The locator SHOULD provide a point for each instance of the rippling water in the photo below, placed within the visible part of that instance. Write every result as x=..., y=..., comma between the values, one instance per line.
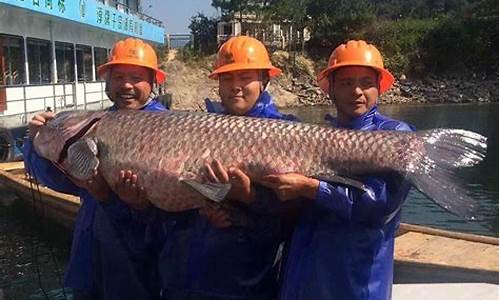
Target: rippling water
x=33, y=253
x=481, y=180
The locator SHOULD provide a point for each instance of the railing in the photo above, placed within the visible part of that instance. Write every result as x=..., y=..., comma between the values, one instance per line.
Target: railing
x=176, y=41
x=56, y=101
x=221, y=38
x=150, y=19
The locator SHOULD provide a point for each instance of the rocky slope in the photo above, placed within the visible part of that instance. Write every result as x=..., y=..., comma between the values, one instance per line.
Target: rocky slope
x=189, y=85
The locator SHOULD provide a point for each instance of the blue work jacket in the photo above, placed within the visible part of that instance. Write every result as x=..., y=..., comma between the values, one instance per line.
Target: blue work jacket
x=113, y=258
x=343, y=244
x=199, y=261
x=264, y=107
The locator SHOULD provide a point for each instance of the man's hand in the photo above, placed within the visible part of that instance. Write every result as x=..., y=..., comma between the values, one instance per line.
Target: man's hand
x=241, y=185
x=37, y=121
x=130, y=192
x=291, y=186
x=96, y=186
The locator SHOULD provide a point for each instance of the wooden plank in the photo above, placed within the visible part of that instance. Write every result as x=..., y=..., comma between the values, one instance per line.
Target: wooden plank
x=424, y=248
x=404, y=228
x=9, y=166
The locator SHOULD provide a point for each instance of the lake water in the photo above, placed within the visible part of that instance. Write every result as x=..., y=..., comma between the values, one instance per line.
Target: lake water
x=34, y=251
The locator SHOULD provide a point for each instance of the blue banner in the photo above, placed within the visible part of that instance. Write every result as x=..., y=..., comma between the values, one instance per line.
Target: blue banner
x=96, y=14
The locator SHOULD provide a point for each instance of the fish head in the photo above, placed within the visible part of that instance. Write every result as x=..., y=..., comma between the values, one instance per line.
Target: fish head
x=54, y=138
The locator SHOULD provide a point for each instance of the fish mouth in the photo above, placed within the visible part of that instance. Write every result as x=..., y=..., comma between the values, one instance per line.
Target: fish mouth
x=85, y=128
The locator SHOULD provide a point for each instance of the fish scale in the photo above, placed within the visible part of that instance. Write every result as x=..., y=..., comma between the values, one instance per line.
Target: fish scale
x=190, y=136
x=166, y=149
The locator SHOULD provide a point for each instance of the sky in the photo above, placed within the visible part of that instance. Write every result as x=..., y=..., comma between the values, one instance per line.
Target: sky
x=176, y=14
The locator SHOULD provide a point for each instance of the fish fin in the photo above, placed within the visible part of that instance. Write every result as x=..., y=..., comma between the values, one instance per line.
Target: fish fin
x=82, y=159
x=435, y=175
x=345, y=181
x=213, y=191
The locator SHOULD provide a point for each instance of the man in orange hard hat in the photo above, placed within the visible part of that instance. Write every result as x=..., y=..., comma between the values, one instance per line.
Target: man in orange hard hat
x=342, y=246
x=131, y=73
x=111, y=255
x=206, y=254
x=244, y=71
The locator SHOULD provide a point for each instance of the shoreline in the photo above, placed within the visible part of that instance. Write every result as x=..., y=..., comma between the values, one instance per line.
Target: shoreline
x=428, y=91
x=189, y=85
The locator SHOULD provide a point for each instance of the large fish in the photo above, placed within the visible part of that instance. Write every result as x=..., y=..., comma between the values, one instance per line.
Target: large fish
x=168, y=151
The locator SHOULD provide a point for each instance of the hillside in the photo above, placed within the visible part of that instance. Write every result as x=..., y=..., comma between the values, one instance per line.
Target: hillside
x=189, y=85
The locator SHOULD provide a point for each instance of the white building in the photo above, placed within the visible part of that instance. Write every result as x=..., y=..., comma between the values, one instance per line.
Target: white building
x=274, y=36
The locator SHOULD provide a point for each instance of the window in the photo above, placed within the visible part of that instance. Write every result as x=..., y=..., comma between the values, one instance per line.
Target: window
x=100, y=57
x=121, y=5
x=227, y=29
x=133, y=5
x=65, y=62
x=39, y=61
x=84, y=62
x=11, y=60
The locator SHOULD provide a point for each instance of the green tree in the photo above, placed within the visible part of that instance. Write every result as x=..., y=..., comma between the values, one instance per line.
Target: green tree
x=416, y=9
x=483, y=9
x=204, y=31
x=333, y=22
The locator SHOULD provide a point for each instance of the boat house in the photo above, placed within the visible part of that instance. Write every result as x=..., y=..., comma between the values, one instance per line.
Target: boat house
x=50, y=49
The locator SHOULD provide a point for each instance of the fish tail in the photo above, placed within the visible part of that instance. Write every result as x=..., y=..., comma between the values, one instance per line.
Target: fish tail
x=446, y=150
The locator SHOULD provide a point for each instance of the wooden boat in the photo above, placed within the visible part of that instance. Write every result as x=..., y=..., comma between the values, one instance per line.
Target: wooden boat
x=62, y=208
x=439, y=264
x=423, y=255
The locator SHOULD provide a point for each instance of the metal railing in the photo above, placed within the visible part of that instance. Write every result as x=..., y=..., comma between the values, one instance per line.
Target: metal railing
x=176, y=41
x=56, y=101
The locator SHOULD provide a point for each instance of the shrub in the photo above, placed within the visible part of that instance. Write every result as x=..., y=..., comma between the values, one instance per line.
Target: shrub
x=459, y=44
x=400, y=43
x=204, y=31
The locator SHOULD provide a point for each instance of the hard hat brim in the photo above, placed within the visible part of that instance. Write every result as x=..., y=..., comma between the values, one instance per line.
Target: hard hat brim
x=160, y=76
x=386, y=78
x=273, y=71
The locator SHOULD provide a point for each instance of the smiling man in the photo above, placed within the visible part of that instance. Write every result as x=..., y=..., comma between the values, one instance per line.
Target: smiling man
x=206, y=254
x=111, y=256
x=130, y=75
x=239, y=90
x=343, y=244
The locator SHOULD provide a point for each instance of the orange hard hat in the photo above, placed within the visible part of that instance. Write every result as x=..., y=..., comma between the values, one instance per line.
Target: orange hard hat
x=242, y=53
x=356, y=53
x=132, y=51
